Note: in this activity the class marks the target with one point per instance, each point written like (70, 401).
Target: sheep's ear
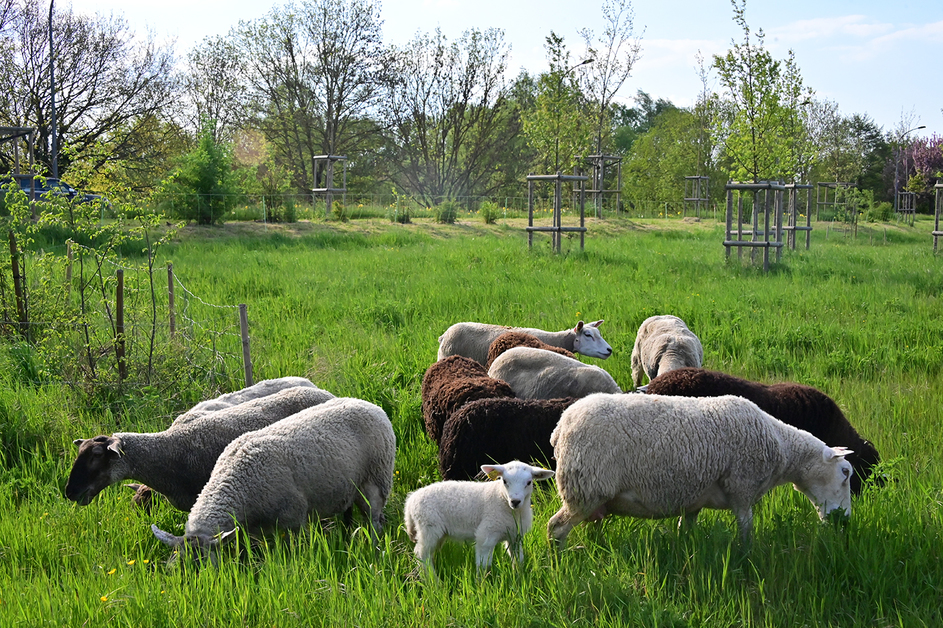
(223, 537)
(541, 474)
(113, 446)
(166, 537)
(578, 328)
(597, 323)
(493, 471)
(133, 487)
(833, 453)
(78, 442)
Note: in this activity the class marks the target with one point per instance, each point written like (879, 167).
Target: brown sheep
(801, 406)
(452, 382)
(513, 339)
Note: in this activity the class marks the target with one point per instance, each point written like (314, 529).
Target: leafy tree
(451, 121)
(631, 122)
(202, 188)
(215, 86)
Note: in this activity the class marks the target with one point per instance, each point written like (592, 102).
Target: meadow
(357, 307)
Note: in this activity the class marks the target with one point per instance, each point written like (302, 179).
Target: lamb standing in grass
(322, 460)
(484, 512)
(473, 340)
(653, 456)
(664, 343)
(538, 374)
(178, 461)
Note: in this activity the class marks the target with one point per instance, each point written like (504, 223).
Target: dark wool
(801, 406)
(495, 430)
(452, 382)
(513, 339)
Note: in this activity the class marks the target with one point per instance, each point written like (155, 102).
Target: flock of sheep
(498, 401)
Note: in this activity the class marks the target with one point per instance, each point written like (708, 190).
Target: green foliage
(489, 212)
(446, 212)
(339, 211)
(202, 188)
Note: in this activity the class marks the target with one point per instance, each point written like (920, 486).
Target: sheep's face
(96, 467)
(589, 341)
(828, 482)
(517, 478)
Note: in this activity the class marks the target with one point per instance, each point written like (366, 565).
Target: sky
(878, 58)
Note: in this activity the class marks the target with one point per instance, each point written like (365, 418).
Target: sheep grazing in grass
(513, 339)
(321, 461)
(473, 340)
(258, 390)
(538, 374)
(452, 382)
(664, 343)
(177, 461)
(801, 406)
(488, 430)
(653, 456)
(484, 512)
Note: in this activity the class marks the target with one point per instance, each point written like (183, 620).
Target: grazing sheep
(177, 461)
(538, 374)
(452, 382)
(801, 406)
(488, 430)
(664, 343)
(261, 389)
(484, 512)
(473, 340)
(653, 456)
(513, 339)
(322, 460)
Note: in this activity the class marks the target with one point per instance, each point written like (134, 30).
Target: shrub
(446, 212)
(339, 211)
(489, 212)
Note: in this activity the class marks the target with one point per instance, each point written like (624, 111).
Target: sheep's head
(827, 483)
(97, 466)
(517, 479)
(199, 546)
(589, 341)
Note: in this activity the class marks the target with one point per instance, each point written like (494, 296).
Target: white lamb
(539, 374)
(484, 512)
(473, 340)
(656, 456)
(322, 460)
(664, 343)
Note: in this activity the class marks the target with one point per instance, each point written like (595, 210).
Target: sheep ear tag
(492, 471)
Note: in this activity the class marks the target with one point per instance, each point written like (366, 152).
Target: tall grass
(358, 308)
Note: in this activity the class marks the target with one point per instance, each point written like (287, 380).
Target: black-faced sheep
(177, 461)
(664, 343)
(452, 382)
(513, 339)
(484, 512)
(538, 374)
(653, 456)
(322, 460)
(473, 340)
(487, 430)
(801, 406)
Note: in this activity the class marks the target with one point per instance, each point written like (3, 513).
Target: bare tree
(215, 85)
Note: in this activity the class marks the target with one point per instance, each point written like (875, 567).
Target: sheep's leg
(561, 523)
(687, 521)
(484, 548)
(745, 523)
(515, 549)
(370, 503)
(425, 548)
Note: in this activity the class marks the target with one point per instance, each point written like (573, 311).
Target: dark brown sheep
(513, 339)
(487, 430)
(452, 382)
(801, 406)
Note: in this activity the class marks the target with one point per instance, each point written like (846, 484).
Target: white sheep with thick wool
(321, 461)
(472, 340)
(486, 513)
(655, 456)
(540, 374)
(664, 343)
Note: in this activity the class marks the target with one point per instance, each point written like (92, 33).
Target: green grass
(357, 307)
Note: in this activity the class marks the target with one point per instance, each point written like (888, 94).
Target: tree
(450, 117)
(202, 187)
(629, 123)
(760, 118)
(107, 83)
(215, 86)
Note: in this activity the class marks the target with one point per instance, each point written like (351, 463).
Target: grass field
(357, 307)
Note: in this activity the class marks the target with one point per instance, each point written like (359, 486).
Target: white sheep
(539, 374)
(656, 456)
(258, 390)
(322, 460)
(473, 340)
(664, 343)
(177, 462)
(486, 513)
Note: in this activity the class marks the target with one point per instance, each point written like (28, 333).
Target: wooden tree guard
(828, 196)
(557, 229)
(906, 207)
(600, 163)
(696, 194)
(792, 222)
(329, 189)
(938, 204)
(767, 198)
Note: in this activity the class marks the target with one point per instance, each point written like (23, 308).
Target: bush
(446, 212)
(339, 211)
(880, 212)
(489, 212)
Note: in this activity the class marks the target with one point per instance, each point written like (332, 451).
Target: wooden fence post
(170, 297)
(119, 328)
(246, 358)
(18, 286)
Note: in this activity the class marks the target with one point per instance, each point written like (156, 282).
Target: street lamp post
(900, 138)
(556, 149)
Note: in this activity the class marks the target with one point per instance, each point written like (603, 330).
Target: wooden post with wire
(246, 358)
(938, 204)
(119, 328)
(170, 299)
